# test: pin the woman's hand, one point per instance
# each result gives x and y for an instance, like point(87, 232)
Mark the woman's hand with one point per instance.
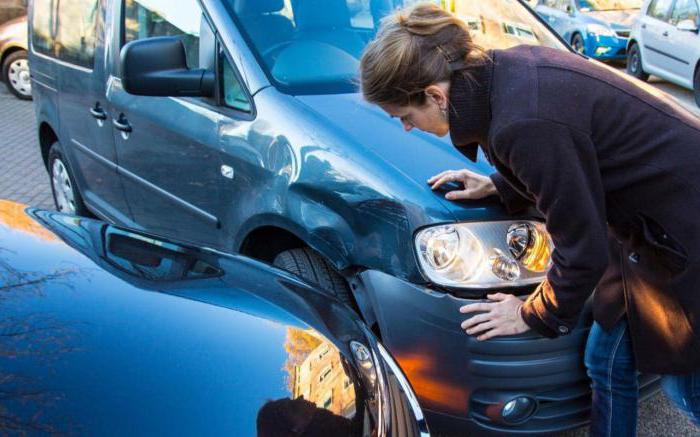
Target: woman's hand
point(476, 186)
point(502, 317)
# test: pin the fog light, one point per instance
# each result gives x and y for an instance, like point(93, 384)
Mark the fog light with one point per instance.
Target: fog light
point(518, 410)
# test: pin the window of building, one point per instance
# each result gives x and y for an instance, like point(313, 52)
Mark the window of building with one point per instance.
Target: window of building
point(76, 31)
point(325, 373)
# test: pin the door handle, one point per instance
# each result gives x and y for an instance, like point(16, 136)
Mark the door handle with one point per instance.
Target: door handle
point(665, 33)
point(98, 112)
point(122, 124)
point(644, 26)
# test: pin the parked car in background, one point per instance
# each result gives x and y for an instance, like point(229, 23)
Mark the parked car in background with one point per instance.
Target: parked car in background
point(13, 58)
point(597, 28)
point(237, 125)
point(665, 42)
point(106, 330)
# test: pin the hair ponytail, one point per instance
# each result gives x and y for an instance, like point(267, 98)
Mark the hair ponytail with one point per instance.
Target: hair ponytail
point(413, 49)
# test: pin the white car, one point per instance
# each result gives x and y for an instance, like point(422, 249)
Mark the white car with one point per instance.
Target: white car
point(665, 42)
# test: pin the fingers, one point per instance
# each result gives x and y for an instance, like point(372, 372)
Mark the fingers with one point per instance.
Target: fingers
point(495, 332)
point(443, 180)
point(462, 195)
point(475, 321)
point(438, 176)
point(474, 307)
point(498, 296)
point(482, 327)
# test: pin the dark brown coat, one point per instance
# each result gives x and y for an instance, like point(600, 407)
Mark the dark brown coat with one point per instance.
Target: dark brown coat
point(615, 170)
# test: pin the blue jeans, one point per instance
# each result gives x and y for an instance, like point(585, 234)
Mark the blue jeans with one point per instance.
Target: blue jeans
point(610, 363)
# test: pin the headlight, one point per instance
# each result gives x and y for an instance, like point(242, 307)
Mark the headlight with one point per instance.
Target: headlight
point(485, 255)
point(599, 29)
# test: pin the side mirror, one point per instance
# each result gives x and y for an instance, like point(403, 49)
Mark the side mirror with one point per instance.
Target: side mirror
point(158, 67)
point(569, 9)
point(687, 26)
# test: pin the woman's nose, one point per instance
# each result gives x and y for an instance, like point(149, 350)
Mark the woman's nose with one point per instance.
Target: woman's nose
point(407, 126)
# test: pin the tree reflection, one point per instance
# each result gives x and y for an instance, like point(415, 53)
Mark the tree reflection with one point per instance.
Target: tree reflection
point(32, 339)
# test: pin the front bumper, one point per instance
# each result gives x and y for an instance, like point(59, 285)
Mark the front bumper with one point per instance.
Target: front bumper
point(463, 384)
point(606, 47)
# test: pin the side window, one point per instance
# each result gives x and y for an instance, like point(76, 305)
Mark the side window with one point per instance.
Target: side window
point(76, 31)
point(42, 31)
point(234, 95)
point(659, 9)
point(149, 18)
point(684, 10)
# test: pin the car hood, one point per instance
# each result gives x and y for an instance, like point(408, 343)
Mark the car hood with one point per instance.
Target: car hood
point(102, 338)
point(619, 19)
point(415, 155)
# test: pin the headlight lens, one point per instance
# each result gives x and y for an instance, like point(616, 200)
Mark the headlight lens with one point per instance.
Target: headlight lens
point(599, 29)
point(485, 255)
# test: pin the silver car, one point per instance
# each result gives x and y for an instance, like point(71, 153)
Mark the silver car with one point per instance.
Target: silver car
point(13, 57)
point(665, 42)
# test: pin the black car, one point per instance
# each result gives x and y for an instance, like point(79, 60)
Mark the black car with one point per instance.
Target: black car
point(109, 331)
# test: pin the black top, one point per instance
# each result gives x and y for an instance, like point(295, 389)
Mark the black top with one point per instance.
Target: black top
point(612, 165)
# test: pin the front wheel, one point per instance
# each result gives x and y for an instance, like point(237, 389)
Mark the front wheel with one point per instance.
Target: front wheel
point(308, 264)
point(66, 196)
point(578, 44)
point(15, 74)
point(634, 63)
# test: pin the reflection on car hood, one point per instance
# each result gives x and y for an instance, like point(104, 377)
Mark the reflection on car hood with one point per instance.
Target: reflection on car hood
point(623, 18)
point(89, 345)
point(417, 155)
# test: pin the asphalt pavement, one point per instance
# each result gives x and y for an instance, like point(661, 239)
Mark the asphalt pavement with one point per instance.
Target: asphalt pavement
point(24, 179)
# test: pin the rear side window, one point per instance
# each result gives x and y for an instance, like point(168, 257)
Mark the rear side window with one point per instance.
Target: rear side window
point(42, 28)
point(76, 30)
point(684, 10)
point(148, 18)
point(659, 9)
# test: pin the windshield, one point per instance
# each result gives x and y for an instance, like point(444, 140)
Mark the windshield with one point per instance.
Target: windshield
point(314, 46)
point(609, 5)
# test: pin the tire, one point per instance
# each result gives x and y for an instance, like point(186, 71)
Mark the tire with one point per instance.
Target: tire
point(696, 85)
point(634, 63)
point(309, 265)
point(66, 196)
point(578, 43)
point(15, 74)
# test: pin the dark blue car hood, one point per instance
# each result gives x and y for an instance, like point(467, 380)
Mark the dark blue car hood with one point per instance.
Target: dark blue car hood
point(416, 155)
point(90, 346)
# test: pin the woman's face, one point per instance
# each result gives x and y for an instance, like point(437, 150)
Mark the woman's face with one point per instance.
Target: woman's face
point(429, 117)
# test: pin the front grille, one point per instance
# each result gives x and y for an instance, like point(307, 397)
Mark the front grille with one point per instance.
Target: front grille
point(623, 33)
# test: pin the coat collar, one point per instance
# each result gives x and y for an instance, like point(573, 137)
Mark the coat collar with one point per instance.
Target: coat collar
point(470, 108)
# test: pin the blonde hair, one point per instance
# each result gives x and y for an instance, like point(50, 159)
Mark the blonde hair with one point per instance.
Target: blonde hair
point(415, 48)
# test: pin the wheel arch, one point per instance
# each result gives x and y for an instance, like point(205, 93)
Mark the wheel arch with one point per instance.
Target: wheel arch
point(47, 136)
point(10, 50)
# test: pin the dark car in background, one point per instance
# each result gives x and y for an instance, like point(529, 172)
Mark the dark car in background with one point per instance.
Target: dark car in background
point(596, 28)
point(109, 331)
point(13, 58)
point(237, 125)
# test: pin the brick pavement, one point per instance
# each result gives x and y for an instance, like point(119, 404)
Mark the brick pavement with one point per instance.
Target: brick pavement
point(24, 179)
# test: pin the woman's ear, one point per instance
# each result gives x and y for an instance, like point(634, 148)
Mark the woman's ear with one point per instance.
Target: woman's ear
point(438, 94)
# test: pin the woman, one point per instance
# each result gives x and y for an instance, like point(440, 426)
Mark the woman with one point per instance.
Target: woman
point(613, 169)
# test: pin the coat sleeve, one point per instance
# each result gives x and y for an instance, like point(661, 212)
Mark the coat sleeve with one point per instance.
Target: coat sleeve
point(511, 199)
point(559, 168)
